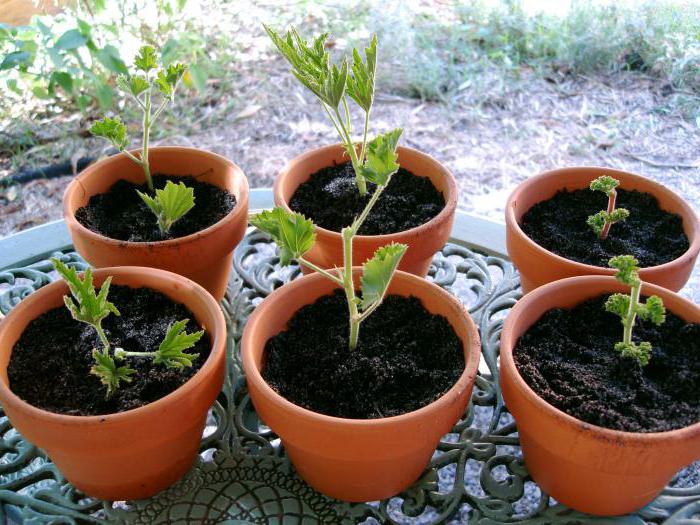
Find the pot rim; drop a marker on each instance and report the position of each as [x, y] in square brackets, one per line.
[444, 215]
[469, 373]
[75, 185]
[529, 183]
[602, 433]
[217, 333]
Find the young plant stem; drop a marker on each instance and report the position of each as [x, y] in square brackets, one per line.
[146, 132]
[363, 151]
[632, 312]
[350, 147]
[349, 287]
[320, 270]
[612, 197]
[103, 338]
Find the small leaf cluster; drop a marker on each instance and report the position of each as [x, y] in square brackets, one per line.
[332, 84]
[629, 307]
[170, 203]
[92, 308]
[600, 222]
[173, 202]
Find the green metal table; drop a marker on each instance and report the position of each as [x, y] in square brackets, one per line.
[242, 475]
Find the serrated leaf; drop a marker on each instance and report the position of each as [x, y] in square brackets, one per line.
[170, 352]
[618, 215]
[641, 351]
[361, 82]
[597, 221]
[109, 373]
[381, 162]
[170, 203]
[377, 273]
[168, 79]
[293, 233]
[134, 84]
[113, 130]
[146, 59]
[627, 268]
[605, 183]
[618, 304]
[71, 39]
[86, 306]
[653, 310]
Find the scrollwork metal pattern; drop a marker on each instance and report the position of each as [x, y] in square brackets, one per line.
[243, 475]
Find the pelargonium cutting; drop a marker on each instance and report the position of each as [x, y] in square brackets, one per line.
[174, 200]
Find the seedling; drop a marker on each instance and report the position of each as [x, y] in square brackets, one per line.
[92, 308]
[628, 308]
[332, 85]
[601, 222]
[294, 235]
[175, 200]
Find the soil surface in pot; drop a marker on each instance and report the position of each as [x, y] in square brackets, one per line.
[406, 358]
[330, 198]
[121, 214]
[568, 358]
[50, 363]
[652, 235]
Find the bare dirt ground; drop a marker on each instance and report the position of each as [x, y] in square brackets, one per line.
[491, 143]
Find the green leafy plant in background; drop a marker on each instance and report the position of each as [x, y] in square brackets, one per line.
[294, 235]
[332, 85]
[601, 222]
[92, 308]
[175, 200]
[628, 307]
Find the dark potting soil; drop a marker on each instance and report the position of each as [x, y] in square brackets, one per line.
[330, 198]
[50, 364]
[568, 358]
[121, 214]
[405, 359]
[652, 235]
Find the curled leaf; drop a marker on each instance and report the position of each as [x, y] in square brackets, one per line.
[605, 184]
[377, 273]
[170, 203]
[627, 268]
[113, 130]
[170, 352]
[109, 373]
[381, 162]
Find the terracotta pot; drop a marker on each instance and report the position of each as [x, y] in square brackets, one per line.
[587, 467]
[205, 256]
[356, 459]
[423, 241]
[538, 266]
[136, 453]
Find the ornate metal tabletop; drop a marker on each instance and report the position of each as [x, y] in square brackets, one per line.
[243, 475]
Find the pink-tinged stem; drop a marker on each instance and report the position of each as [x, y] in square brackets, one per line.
[611, 207]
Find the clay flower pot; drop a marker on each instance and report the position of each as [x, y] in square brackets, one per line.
[587, 467]
[136, 453]
[538, 266]
[423, 241]
[356, 459]
[204, 256]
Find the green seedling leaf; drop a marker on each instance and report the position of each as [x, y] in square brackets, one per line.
[361, 83]
[293, 233]
[627, 268]
[377, 273]
[605, 183]
[170, 352]
[86, 306]
[618, 215]
[168, 79]
[170, 203]
[653, 310]
[146, 59]
[641, 352]
[113, 130]
[618, 304]
[382, 158]
[109, 373]
[135, 84]
[597, 221]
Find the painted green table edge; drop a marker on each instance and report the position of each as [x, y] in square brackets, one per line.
[243, 475]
